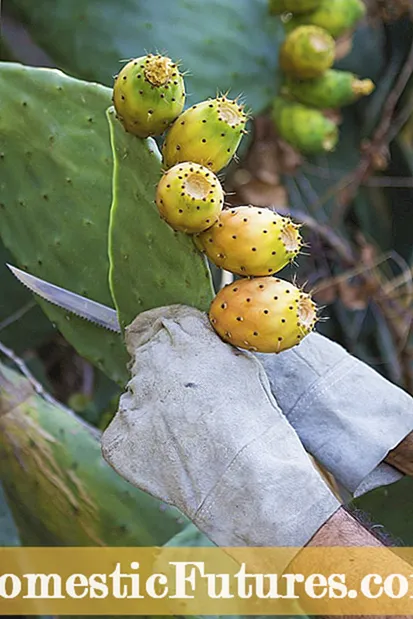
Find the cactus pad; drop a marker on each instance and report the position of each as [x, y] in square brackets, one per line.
[225, 44]
[305, 128]
[189, 197]
[208, 133]
[56, 168]
[307, 52]
[149, 94]
[263, 314]
[251, 241]
[151, 264]
[59, 488]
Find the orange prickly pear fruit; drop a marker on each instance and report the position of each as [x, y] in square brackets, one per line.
[207, 133]
[277, 7]
[335, 16]
[263, 314]
[305, 128]
[148, 95]
[333, 89]
[251, 241]
[189, 197]
[307, 52]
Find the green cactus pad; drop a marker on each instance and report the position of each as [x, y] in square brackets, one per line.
[151, 264]
[277, 7]
[307, 52]
[224, 44]
[208, 133]
[333, 89]
[60, 490]
[305, 128]
[149, 94]
[335, 16]
[56, 169]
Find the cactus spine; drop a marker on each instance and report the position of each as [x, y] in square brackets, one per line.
[148, 95]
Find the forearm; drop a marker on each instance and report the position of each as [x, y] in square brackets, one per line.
[343, 530]
[401, 457]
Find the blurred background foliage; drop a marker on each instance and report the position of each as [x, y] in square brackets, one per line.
[357, 204]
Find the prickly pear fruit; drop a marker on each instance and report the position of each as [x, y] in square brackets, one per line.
[277, 7]
[307, 52]
[207, 133]
[189, 197]
[251, 241]
[148, 95]
[335, 16]
[305, 128]
[263, 314]
[333, 89]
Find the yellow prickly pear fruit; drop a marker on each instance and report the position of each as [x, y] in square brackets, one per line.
[189, 197]
[335, 16]
[148, 95]
[251, 241]
[207, 133]
[333, 89]
[307, 52]
[263, 315]
[305, 128]
[277, 7]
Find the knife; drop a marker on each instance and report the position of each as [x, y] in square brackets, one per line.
[87, 309]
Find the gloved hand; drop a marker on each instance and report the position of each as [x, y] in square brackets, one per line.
[199, 428]
[347, 415]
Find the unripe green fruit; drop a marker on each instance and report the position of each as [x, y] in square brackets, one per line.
[335, 16]
[307, 52]
[263, 315]
[251, 241]
[305, 128]
[207, 133]
[148, 95]
[277, 7]
[189, 197]
[333, 89]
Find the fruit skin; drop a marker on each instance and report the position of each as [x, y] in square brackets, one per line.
[148, 95]
[277, 7]
[189, 197]
[333, 89]
[208, 133]
[305, 128]
[335, 16]
[250, 241]
[263, 314]
[307, 52]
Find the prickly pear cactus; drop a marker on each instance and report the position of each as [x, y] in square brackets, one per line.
[335, 16]
[151, 264]
[56, 170]
[208, 133]
[215, 39]
[333, 89]
[59, 488]
[263, 314]
[251, 241]
[307, 52]
[189, 197]
[149, 93]
[305, 128]
[277, 7]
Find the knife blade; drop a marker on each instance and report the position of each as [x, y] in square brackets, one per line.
[94, 312]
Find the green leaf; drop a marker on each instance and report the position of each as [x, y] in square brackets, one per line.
[224, 44]
[55, 170]
[151, 264]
